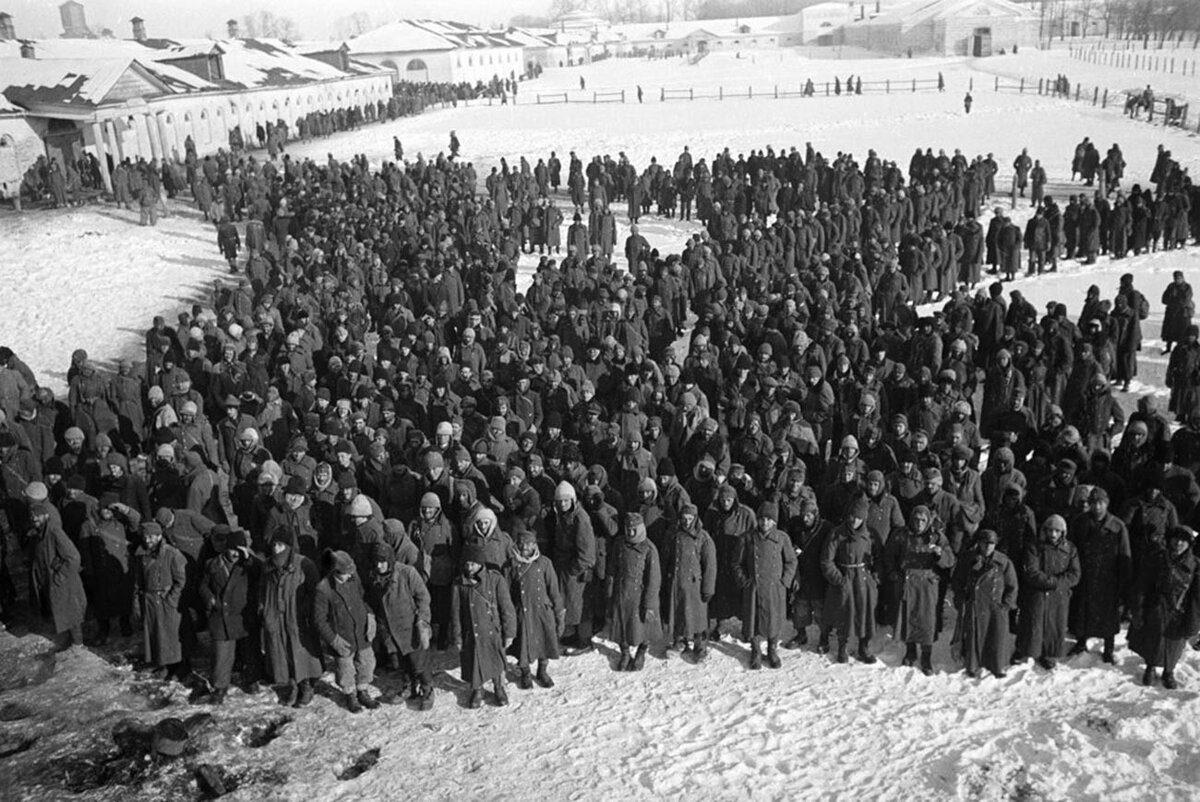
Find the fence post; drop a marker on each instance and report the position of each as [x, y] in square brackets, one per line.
[662, 95]
[827, 89]
[914, 85]
[1095, 95]
[777, 91]
[1078, 90]
[593, 98]
[622, 95]
[750, 92]
[692, 94]
[997, 83]
[1040, 85]
[1104, 103]
[888, 87]
[1022, 86]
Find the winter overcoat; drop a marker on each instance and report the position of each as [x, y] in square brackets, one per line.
[1105, 566]
[1050, 572]
[913, 566]
[1166, 599]
[399, 599]
[229, 592]
[538, 603]
[846, 564]
[727, 529]
[574, 559]
[986, 590]
[635, 577]
[159, 579]
[105, 549]
[289, 637]
[483, 618]
[689, 561]
[765, 567]
[56, 587]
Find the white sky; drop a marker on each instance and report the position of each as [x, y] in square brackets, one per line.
[191, 18]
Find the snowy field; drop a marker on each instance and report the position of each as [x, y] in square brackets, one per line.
[811, 730]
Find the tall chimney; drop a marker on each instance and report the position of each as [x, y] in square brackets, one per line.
[139, 29]
[6, 26]
[27, 50]
[232, 26]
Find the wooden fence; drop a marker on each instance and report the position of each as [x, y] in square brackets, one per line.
[1164, 61]
[1164, 110]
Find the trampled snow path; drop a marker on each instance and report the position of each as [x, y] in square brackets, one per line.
[810, 730]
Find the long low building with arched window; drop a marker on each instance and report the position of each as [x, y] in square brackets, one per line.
[143, 97]
[423, 50]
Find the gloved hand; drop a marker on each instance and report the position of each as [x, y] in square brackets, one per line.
[706, 597]
[507, 643]
[340, 647]
[372, 627]
[562, 621]
[424, 634]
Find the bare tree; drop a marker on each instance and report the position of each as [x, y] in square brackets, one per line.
[265, 25]
[354, 25]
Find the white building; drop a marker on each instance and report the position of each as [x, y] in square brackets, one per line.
[143, 97]
[423, 50]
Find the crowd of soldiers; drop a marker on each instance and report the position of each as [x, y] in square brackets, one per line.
[372, 446]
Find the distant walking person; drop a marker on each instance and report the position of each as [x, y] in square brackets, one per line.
[967, 101]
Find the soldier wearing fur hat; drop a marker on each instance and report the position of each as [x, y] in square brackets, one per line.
[229, 593]
[765, 567]
[439, 542]
[634, 577]
[1165, 606]
[484, 625]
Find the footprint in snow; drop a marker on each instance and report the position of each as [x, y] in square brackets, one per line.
[361, 765]
[259, 735]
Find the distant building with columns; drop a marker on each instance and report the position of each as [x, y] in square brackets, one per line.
[143, 97]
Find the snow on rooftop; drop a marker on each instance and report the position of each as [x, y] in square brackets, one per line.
[61, 82]
[413, 35]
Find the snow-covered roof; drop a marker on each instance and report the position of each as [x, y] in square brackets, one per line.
[270, 62]
[918, 12]
[86, 84]
[682, 29]
[415, 35]
[529, 38]
[307, 48]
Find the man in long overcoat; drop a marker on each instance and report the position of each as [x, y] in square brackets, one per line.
[765, 567]
[1050, 570]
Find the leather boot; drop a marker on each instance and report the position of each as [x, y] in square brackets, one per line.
[352, 703]
[773, 660]
[525, 680]
[823, 642]
[501, 693]
[1148, 676]
[927, 660]
[306, 693]
[543, 675]
[425, 702]
[700, 650]
[1109, 648]
[365, 699]
[864, 652]
[755, 655]
[1080, 647]
[1169, 681]
[476, 699]
[639, 659]
[625, 659]
[910, 655]
[843, 652]
[290, 695]
[801, 639]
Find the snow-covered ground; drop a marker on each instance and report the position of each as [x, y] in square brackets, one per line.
[93, 278]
